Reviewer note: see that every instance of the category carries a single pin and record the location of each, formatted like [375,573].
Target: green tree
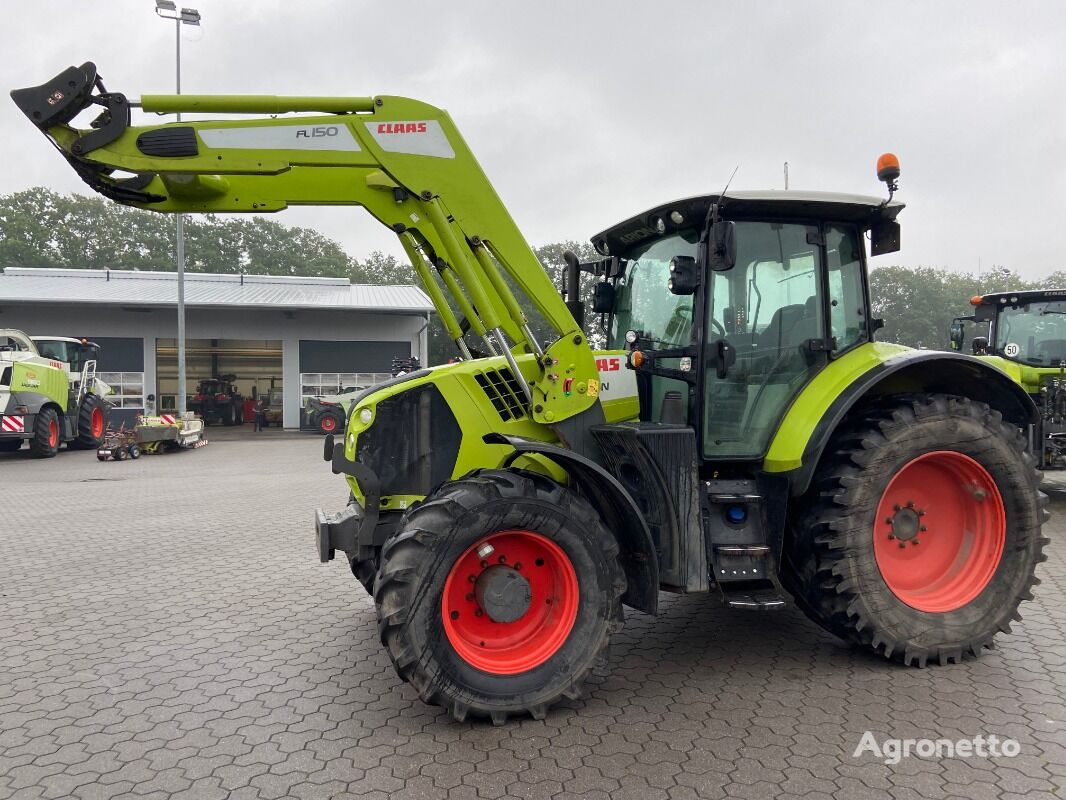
[41,228]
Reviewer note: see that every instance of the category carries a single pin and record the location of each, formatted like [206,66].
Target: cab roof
[863,210]
[1022,297]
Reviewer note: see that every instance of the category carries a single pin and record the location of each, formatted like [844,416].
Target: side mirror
[723,254]
[957,335]
[980,345]
[684,276]
[602,298]
[884,238]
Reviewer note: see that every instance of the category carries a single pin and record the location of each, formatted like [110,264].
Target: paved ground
[165,630]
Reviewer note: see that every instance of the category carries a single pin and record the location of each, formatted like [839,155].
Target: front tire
[499,595]
[45,441]
[921,531]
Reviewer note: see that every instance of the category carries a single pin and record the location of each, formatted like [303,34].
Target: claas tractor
[742,435]
[50,394]
[1026,338]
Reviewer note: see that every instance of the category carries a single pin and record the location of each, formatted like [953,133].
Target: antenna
[786,176]
[721,196]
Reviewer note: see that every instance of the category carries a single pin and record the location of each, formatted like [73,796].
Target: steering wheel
[718,327]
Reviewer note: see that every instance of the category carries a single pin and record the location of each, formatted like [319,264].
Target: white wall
[221,323]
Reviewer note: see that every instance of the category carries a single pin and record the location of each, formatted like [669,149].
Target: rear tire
[92,423]
[45,441]
[135,451]
[330,422]
[429,619]
[920,533]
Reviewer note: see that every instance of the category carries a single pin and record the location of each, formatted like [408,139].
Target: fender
[908,371]
[620,513]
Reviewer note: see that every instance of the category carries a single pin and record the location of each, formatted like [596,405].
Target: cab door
[769,310]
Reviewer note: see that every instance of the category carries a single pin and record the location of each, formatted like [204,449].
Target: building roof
[204,290]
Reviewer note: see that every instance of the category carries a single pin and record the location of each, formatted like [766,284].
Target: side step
[764,600]
[742,549]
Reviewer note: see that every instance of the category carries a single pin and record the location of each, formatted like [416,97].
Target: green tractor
[1026,338]
[743,435]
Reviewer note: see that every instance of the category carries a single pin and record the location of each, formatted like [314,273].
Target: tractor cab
[1027,327]
[1026,338]
[730,304]
[74,353]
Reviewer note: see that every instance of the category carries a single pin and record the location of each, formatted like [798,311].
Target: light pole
[185,16]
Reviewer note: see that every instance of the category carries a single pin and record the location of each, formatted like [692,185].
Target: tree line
[42,228]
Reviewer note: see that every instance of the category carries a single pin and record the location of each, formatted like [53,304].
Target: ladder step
[742,549]
[734,498]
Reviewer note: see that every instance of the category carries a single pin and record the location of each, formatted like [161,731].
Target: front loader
[743,436]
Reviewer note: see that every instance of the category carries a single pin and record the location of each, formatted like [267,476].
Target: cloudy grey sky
[583,113]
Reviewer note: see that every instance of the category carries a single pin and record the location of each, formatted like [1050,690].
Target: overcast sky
[583,113]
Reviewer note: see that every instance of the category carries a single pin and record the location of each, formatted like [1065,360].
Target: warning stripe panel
[13,424]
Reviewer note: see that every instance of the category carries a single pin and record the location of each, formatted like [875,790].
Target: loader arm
[401,159]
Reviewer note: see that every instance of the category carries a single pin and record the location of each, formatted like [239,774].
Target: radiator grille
[505,393]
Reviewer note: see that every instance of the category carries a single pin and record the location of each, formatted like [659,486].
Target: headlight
[365,415]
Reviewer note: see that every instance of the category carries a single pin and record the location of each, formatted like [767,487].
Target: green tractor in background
[1026,338]
[743,435]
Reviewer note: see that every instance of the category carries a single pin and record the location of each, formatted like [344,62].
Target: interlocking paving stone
[167,631]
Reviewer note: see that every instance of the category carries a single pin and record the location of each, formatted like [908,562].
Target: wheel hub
[503,593]
[906,523]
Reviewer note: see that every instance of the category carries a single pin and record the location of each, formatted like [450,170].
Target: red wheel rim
[96,424]
[329,424]
[53,433]
[508,648]
[939,532]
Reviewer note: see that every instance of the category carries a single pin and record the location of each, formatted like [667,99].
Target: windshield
[56,350]
[644,303]
[1034,333]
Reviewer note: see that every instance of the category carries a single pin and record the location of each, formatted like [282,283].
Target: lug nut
[922,528]
[914,542]
[902,544]
[502,559]
[891,536]
[478,613]
[897,507]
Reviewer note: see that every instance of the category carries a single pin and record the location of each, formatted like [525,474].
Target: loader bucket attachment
[59,100]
